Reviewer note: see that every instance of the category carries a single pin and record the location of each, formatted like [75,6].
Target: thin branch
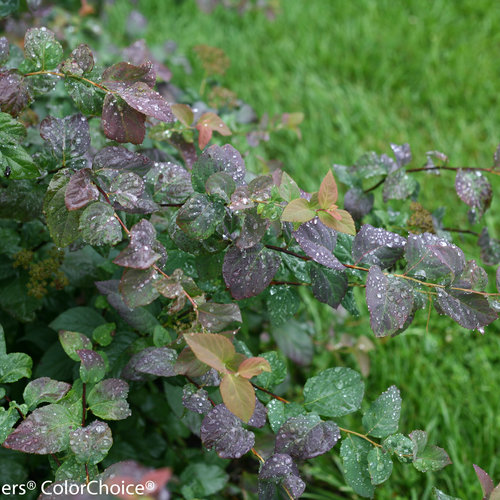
[291,283]
[464,231]
[363,436]
[379,183]
[288,252]
[62,75]
[275,396]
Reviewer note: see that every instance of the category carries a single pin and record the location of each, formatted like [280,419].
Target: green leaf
[399,185]
[288,189]
[91,444]
[42,49]
[238,396]
[427,457]
[278,413]
[99,226]
[103,334]
[439,495]
[44,390]
[294,340]
[379,465]
[215,317]
[7,7]
[340,220]
[72,342]
[200,480]
[276,360]
[199,216]
[328,285]
[93,366]
[63,224]
[298,210]
[8,418]
[108,399]
[16,162]
[15,366]
[401,446]
[334,392]
[79,319]
[212,349]
[137,287]
[221,185]
[382,417]
[354,452]
[282,304]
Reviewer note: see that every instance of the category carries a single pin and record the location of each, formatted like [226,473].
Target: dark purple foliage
[80,190]
[158,361]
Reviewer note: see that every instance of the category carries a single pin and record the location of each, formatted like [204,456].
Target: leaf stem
[275,396]
[362,436]
[62,75]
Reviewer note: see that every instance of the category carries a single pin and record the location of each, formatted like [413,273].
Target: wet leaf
[334,392]
[354,452]
[158,361]
[328,193]
[221,185]
[427,457]
[294,341]
[215,317]
[72,342]
[44,431]
[298,210]
[42,49]
[68,138]
[277,362]
[92,443]
[99,226]
[80,190]
[282,304]
[15,93]
[306,436]
[382,417]
[251,367]
[328,285]
[92,367]
[439,495]
[340,220]
[390,302]
[13,366]
[80,61]
[222,431]
[207,124]
[137,287]
[196,399]
[399,185]
[140,254]
[121,122]
[63,225]
[249,271]
[474,189]
[376,246]
[402,152]
[358,203]
[470,310]
[199,216]
[485,480]
[44,390]
[379,466]
[490,248]
[108,399]
[279,469]
[172,183]
[401,446]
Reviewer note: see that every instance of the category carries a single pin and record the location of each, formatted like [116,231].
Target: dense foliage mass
[142,278]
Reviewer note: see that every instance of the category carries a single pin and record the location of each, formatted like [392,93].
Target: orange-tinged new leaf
[344,225]
[238,395]
[298,211]
[183,113]
[213,349]
[328,193]
[251,367]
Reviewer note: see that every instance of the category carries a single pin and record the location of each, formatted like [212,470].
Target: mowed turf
[367,73]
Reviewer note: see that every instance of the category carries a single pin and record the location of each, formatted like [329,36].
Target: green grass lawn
[367,73]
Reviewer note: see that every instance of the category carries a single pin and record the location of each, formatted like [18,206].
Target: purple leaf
[241,199]
[158,361]
[125,189]
[470,310]
[91,444]
[137,287]
[294,339]
[14,92]
[218,159]
[72,342]
[306,436]
[44,390]
[215,317]
[487,484]
[390,302]
[328,285]
[108,399]
[474,189]
[121,122]
[186,149]
[432,258]
[126,72]
[140,254]
[402,153]
[474,276]
[490,248]
[223,431]
[378,247]
[358,203]
[196,399]
[172,183]
[318,242]
[258,418]
[141,97]
[138,54]
[80,61]
[253,229]
[4,50]
[248,272]
[120,158]
[200,216]
[92,368]
[44,431]
[80,190]
[280,469]
[69,138]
